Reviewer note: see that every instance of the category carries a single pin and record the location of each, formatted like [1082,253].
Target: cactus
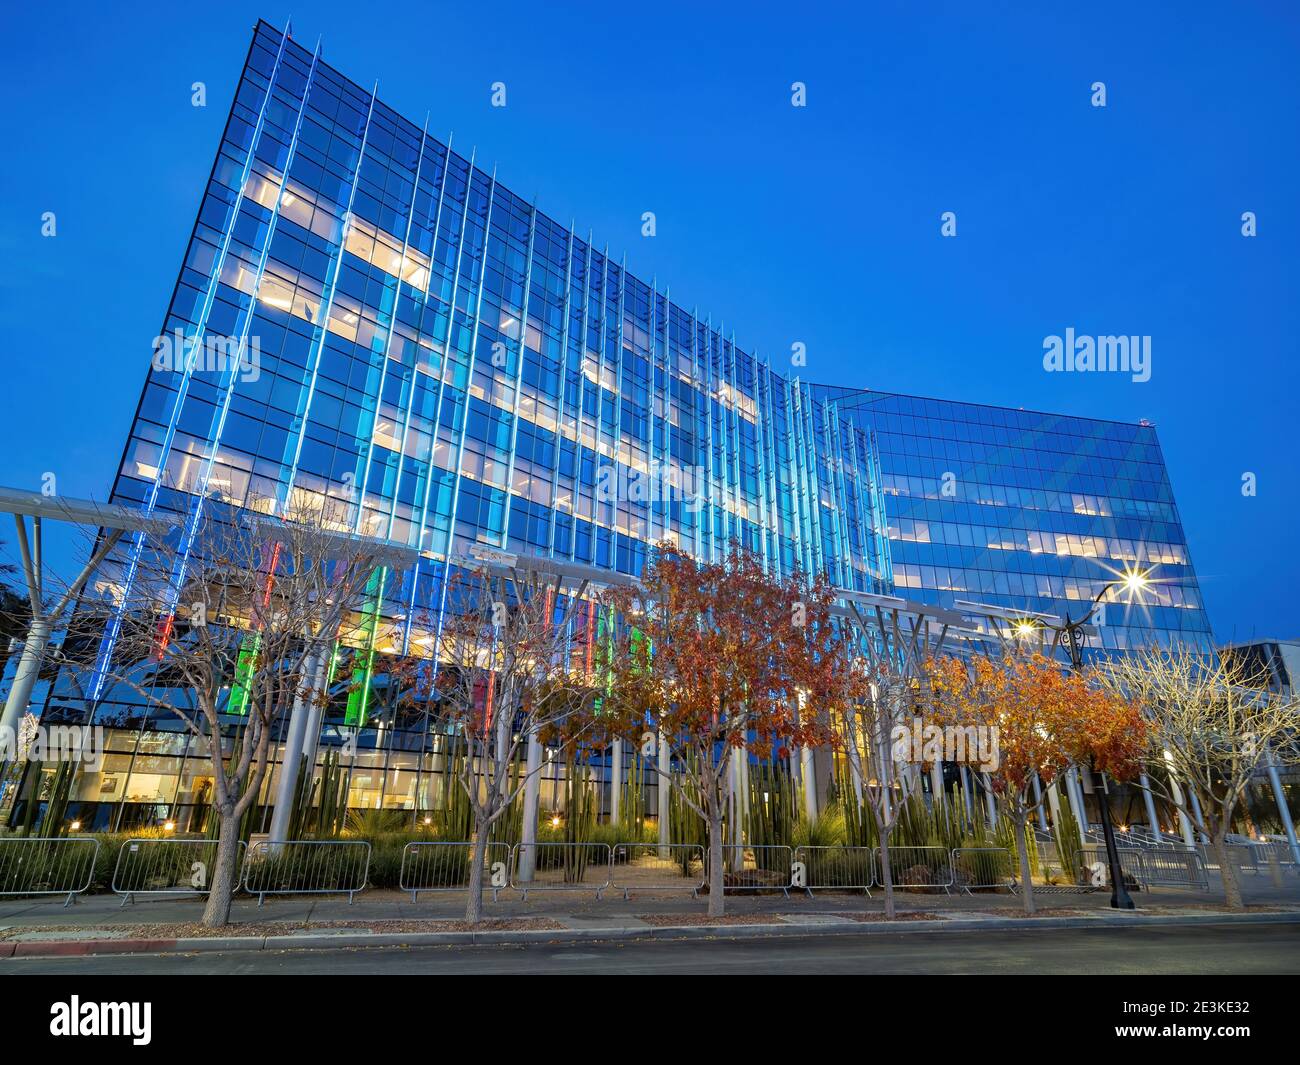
[55,824]
[773,811]
[579,817]
[30,789]
[859,825]
[684,824]
[631,807]
[1066,830]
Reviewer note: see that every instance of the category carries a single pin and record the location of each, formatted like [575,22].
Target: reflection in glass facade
[1030,511]
[383,323]
[366,315]
[433,348]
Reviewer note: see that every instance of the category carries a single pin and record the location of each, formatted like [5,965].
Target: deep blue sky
[818,224]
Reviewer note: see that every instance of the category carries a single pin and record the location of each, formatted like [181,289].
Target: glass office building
[1030,511]
[364,314]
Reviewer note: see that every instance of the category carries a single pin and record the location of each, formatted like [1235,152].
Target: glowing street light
[1135,582]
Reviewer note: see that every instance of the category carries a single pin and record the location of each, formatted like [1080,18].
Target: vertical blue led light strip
[108,642]
[519,370]
[446,368]
[469,377]
[621,353]
[327,308]
[563,376]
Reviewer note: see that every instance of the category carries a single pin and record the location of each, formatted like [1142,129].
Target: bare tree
[221,634]
[1211,732]
[877,696]
[512,667]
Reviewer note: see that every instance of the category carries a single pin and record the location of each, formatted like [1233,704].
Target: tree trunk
[1026,874]
[1231,885]
[474,886]
[717,861]
[224,875]
[886,872]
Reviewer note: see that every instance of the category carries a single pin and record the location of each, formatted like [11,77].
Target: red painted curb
[6,950]
[76,948]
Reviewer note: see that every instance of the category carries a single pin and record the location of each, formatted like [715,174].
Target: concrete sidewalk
[99,924]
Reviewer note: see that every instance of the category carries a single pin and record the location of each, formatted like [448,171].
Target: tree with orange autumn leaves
[1047,722]
[719,659]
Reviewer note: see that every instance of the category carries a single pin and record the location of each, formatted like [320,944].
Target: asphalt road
[1213,949]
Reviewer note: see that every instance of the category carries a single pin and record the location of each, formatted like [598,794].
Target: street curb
[524,937]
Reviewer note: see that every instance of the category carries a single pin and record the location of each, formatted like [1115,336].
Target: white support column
[1075,791]
[1196,809]
[854,755]
[615,781]
[1038,799]
[42,624]
[990,802]
[311,735]
[532,793]
[662,784]
[1153,822]
[1283,810]
[936,783]
[1184,822]
[287,782]
[809,774]
[29,668]
[1054,802]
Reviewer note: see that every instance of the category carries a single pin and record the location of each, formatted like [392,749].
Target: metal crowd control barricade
[167,867]
[755,868]
[834,869]
[1094,866]
[561,866]
[1242,857]
[45,865]
[1256,855]
[1280,846]
[307,867]
[920,867]
[985,867]
[1048,858]
[658,867]
[442,866]
[1171,867]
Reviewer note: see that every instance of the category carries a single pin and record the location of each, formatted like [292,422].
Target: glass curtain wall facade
[1030,511]
[426,348]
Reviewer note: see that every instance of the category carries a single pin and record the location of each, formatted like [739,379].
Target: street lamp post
[1072,631]
[1119,896]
